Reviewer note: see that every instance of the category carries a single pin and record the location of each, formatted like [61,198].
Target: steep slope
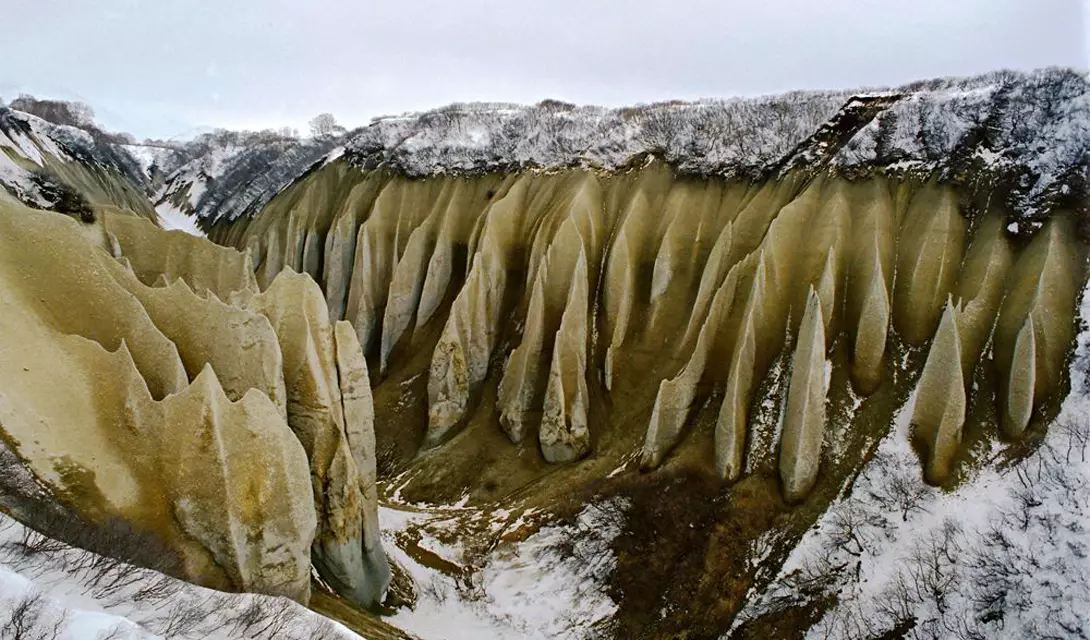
[233,174]
[145,379]
[42,163]
[556,298]
[601,372]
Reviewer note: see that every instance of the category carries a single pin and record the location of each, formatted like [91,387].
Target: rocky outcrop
[929,252]
[359,423]
[217,480]
[176,254]
[939,413]
[804,415]
[1034,329]
[227,422]
[565,428]
[646,283]
[296,310]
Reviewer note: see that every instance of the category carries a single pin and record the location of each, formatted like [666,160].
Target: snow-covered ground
[49,590]
[171,217]
[550,584]
[1005,555]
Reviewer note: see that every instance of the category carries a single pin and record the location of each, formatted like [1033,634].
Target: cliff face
[41,163]
[146,379]
[579,303]
[571,288]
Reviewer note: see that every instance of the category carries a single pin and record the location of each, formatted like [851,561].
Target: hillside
[230,174]
[809,365]
[40,161]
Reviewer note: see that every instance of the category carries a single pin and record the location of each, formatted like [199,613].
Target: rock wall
[145,377]
[572,288]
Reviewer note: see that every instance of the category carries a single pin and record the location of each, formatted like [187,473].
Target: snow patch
[551,584]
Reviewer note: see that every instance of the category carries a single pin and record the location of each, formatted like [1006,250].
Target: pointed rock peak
[1022,381]
[207,383]
[813,306]
[181,285]
[947,333]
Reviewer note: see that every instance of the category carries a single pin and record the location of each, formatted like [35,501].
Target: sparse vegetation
[160,604]
[62,197]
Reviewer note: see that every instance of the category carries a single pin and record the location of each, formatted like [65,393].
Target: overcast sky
[166,67]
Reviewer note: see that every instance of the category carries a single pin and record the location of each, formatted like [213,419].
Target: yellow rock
[929,255]
[804,418]
[675,397]
[939,413]
[565,432]
[222,483]
[177,254]
[1040,300]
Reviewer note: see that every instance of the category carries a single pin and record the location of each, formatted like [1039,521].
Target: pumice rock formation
[727,319]
[554,302]
[804,417]
[200,410]
[312,372]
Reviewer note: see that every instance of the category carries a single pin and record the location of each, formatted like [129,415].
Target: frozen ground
[1005,555]
[51,591]
[549,584]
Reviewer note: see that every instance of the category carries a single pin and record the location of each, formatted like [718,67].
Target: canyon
[699,327]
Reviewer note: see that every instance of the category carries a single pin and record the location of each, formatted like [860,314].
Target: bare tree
[325,125]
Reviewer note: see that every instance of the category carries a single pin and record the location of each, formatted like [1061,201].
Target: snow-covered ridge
[1001,556]
[240,177]
[28,144]
[1030,128]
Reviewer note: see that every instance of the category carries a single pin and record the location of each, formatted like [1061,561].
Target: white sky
[166,67]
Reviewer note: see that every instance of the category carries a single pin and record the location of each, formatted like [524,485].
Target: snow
[552,584]
[1033,127]
[704,137]
[1002,555]
[35,142]
[171,217]
[84,596]
[77,622]
[148,156]
[240,173]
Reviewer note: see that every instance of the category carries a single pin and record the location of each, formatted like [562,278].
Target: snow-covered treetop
[1031,129]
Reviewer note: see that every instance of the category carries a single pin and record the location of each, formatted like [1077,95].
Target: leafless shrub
[897,489]
[30,618]
[1077,433]
[116,632]
[183,616]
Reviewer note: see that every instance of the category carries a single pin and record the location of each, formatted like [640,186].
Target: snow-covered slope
[1004,555]
[235,176]
[1030,129]
[36,155]
[480,573]
[51,590]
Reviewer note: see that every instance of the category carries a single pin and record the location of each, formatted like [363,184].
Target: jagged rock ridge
[184,401]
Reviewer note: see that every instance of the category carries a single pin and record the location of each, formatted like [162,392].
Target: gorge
[699,326]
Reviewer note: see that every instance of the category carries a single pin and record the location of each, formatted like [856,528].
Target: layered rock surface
[162,388]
